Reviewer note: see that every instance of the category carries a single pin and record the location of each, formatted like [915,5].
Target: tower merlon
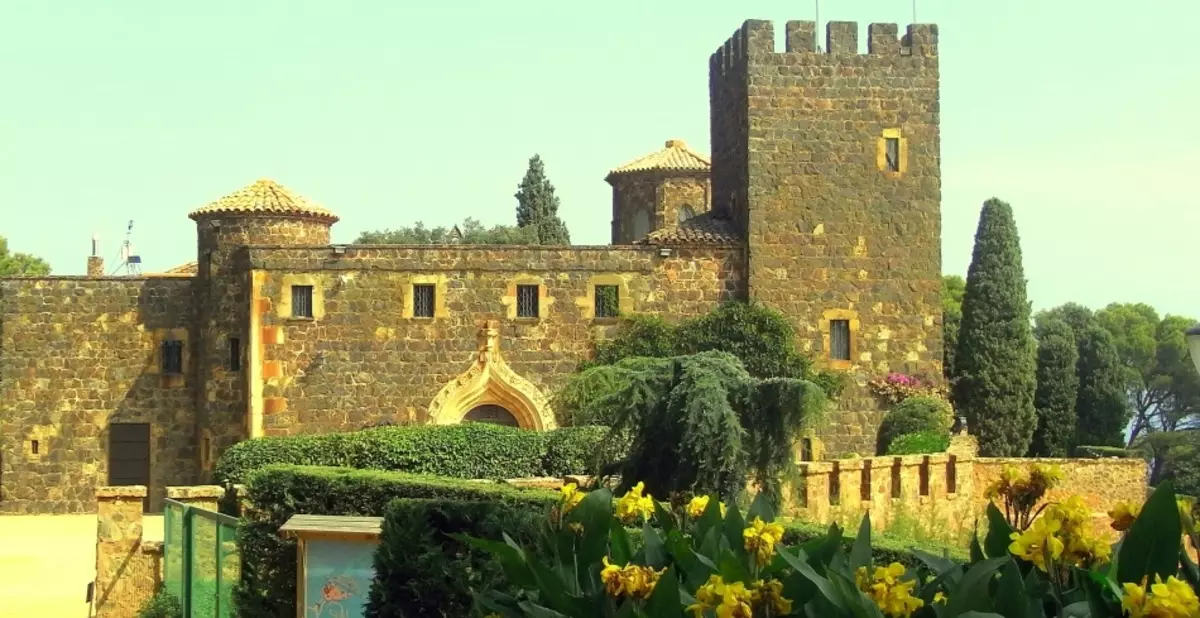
[757,36]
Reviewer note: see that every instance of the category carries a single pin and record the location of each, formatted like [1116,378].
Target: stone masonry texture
[825,165]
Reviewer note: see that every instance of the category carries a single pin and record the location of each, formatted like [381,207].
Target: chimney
[95,264]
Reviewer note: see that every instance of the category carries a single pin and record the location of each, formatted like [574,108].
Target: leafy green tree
[1057,390]
[20,263]
[953,289]
[700,422]
[537,206]
[1102,408]
[1078,317]
[996,360]
[471,232]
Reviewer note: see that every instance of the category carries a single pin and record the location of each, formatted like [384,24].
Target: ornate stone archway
[490,381]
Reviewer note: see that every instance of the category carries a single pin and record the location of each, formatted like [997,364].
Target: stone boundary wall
[942,495]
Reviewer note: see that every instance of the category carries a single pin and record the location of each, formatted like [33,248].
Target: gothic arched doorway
[488,413]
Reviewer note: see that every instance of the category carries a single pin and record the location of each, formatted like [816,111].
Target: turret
[658,191]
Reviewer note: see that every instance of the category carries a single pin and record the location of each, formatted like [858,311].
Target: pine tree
[1057,390]
[1102,407]
[996,359]
[537,206]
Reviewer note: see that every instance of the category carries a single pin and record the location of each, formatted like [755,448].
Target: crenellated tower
[828,163]
[263,213]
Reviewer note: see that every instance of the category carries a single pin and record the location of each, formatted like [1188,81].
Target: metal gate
[201,561]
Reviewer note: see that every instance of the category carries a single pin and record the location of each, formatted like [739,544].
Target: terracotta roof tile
[704,228]
[676,156]
[190,268]
[265,197]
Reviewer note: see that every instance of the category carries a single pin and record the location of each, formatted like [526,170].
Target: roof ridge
[265,196]
[674,156]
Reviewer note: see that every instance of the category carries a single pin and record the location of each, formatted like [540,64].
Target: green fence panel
[201,560]
[173,554]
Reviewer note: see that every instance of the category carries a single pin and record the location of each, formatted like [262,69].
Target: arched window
[685,213]
[641,224]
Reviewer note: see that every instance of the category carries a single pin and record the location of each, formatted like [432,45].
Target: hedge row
[276,492]
[469,450]
[1102,452]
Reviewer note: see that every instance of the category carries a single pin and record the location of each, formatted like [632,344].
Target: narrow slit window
[892,145]
[864,489]
[839,339]
[607,301]
[924,480]
[952,475]
[235,354]
[172,357]
[835,484]
[527,301]
[34,447]
[302,301]
[424,295]
[806,449]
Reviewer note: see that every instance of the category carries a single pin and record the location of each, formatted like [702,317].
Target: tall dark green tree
[1057,390]
[537,206]
[996,360]
[1102,407]
[1075,315]
[953,289]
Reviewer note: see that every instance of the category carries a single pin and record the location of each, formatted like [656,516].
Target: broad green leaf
[595,513]
[972,593]
[974,614]
[732,568]
[1188,568]
[734,527]
[999,535]
[1011,598]
[1094,602]
[1078,610]
[761,507]
[620,546]
[859,604]
[537,611]
[975,550]
[1151,546]
[860,553]
[666,521]
[937,564]
[665,601]
[824,587]
[511,559]
[656,554]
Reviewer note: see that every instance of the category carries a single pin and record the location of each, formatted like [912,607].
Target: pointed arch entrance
[489,387]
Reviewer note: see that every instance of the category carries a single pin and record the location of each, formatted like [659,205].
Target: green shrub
[919,443]
[885,548]
[1101,452]
[468,450]
[421,571]
[276,492]
[914,415]
[162,605]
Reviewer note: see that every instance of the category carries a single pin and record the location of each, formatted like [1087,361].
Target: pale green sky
[1079,113]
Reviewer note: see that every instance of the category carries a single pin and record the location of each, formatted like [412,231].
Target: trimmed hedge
[919,443]
[468,450]
[885,548]
[1102,452]
[421,571]
[276,492]
[917,414]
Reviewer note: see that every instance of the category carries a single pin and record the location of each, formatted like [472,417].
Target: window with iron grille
[172,357]
[839,339]
[893,154]
[423,297]
[607,301]
[302,301]
[235,354]
[527,301]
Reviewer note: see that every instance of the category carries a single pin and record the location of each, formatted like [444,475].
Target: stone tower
[263,213]
[828,163]
[658,191]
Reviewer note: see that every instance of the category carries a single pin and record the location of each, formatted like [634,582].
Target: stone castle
[821,200]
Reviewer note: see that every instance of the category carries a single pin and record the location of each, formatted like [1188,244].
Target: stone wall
[128,568]
[77,354]
[661,194]
[941,496]
[800,149]
[363,359]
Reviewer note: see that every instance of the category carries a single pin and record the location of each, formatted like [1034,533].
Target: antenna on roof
[130,261]
[817,21]
[95,243]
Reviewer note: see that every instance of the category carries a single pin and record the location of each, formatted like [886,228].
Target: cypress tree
[996,360]
[537,206]
[1102,407]
[1057,390]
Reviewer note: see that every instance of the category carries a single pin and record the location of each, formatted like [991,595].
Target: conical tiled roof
[676,156]
[265,197]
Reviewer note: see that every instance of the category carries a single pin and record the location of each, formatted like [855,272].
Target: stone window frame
[587,303]
[510,298]
[439,283]
[827,318]
[284,306]
[207,450]
[158,337]
[881,152]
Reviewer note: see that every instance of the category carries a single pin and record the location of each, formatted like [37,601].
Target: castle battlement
[756,37]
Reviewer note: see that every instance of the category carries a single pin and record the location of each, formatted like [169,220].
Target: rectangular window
[893,154]
[235,354]
[839,339]
[172,357]
[302,301]
[527,301]
[607,301]
[423,297]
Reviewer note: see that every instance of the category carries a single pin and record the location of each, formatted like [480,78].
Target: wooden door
[129,455]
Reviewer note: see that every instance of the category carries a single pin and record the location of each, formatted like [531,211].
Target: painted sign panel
[338,578]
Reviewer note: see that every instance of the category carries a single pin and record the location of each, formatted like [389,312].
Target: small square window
[235,354]
[302,301]
[424,295]
[172,357]
[892,145]
[607,301]
[839,339]
[527,301]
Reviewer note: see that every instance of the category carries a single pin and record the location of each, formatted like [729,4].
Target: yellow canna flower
[939,597]
[1171,599]
[610,576]
[633,505]
[889,590]
[571,497]
[760,538]
[632,580]
[1123,515]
